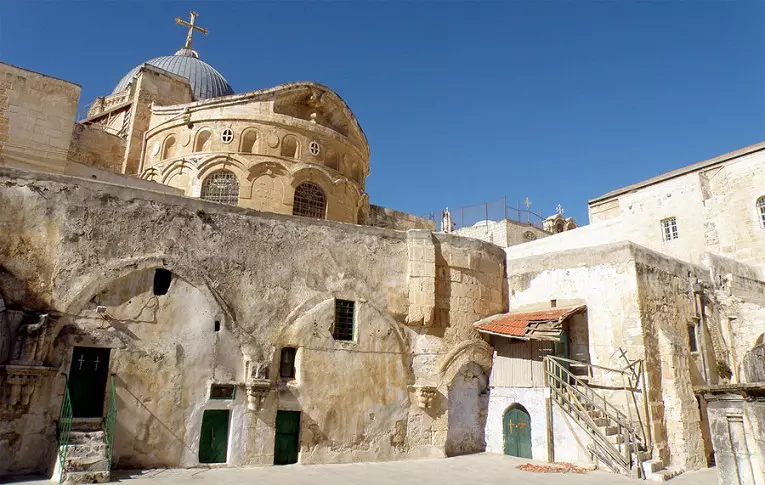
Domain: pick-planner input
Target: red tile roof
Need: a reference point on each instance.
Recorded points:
(517, 324)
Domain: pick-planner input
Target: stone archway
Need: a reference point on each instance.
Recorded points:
(468, 401)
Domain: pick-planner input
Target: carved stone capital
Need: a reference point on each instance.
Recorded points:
(257, 392)
(426, 396)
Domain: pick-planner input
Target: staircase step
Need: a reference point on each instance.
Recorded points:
(90, 464)
(616, 439)
(663, 475)
(86, 437)
(644, 455)
(74, 478)
(652, 466)
(86, 450)
(601, 422)
(610, 430)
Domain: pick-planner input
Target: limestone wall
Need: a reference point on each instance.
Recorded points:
(36, 119)
(97, 148)
(504, 233)
(715, 205)
(270, 281)
(393, 219)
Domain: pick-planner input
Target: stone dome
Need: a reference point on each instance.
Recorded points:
(205, 81)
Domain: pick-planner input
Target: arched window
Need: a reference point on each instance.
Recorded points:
(309, 201)
(761, 209)
(289, 146)
(168, 150)
(203, 141)
(221, 186)
(248, 142)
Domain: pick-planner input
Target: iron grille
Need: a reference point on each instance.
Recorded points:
(221, 187)
(309, 201)
(344, 318)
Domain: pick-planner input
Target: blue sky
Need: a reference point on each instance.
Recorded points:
(462, 102)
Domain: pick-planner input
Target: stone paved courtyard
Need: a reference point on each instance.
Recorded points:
(483, 469)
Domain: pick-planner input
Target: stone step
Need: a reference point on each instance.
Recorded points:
(645, 455)
(601, 422)
(652, 466)
(90, 464)
(663, 475)
(74, 478)
(86, 450)
(610, 430)
(85, 437)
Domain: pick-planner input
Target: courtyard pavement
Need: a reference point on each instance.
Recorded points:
(481, 469)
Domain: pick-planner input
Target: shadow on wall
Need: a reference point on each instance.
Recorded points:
(468, 408)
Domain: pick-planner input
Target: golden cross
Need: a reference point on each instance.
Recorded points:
(192, 27)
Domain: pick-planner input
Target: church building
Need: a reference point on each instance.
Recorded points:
(192, 276)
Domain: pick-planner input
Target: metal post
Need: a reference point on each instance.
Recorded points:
(504, 207)
(486, 213)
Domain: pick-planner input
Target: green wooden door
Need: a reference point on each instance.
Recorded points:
(286, 441)
(517, 429)
(213, 439)
(87, 381)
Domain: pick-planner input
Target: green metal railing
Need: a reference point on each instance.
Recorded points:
(110, 420)
(64, 428)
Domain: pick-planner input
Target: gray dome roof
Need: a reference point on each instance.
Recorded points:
(205, 81)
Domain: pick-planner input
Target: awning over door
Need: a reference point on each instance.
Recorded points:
(538, 325)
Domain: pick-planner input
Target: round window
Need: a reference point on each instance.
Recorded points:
(313, 147)
(529, 236)
(227, 136)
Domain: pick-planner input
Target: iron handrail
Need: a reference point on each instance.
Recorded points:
(64, 429)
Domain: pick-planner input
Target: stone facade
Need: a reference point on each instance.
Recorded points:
(714, 204)
(503, 233)
(167, 350)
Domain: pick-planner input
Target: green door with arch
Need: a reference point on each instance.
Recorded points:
(516, 426)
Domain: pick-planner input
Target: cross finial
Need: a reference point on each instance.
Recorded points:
(559, 209)
(527, 203)
(192, 27)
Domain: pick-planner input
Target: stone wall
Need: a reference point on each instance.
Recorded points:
(96, 148)
(36, 119)
(393, 219)
(713, 202)
(269, 281)
(504, 233)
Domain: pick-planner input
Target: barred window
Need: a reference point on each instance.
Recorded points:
(669, 229)
(761, 209)
(222, 187)
(287, 363)
(309, 201)
(345, 316)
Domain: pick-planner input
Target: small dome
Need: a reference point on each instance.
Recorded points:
(205, 81)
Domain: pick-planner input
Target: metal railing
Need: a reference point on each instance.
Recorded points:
(581, 402)
(497, 210)
(110, 421)
(64, 429)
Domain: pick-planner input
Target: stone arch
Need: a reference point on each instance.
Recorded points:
(249, 138)
(290, 147)
(169, 146)
(222, 162)
(477, 351)
(178, 168)
(151, 174)
(203, 140)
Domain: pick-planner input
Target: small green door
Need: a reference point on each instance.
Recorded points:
(286, 441)
(517, 429)
(87, 381)
(213, 439)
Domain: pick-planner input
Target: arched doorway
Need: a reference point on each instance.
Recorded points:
(468, 402)
(516, 428)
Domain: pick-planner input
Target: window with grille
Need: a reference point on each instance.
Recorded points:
(222, 187)
(309, 201)
(761, 210)
(287, 363)
(669, 229)
(345, 316)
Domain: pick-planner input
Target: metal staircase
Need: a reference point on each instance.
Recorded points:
(619, 440)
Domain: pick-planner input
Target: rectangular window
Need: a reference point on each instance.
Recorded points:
(669, 229)
(693, 341)
(287, 363)
(345, 317)
(222, 391)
